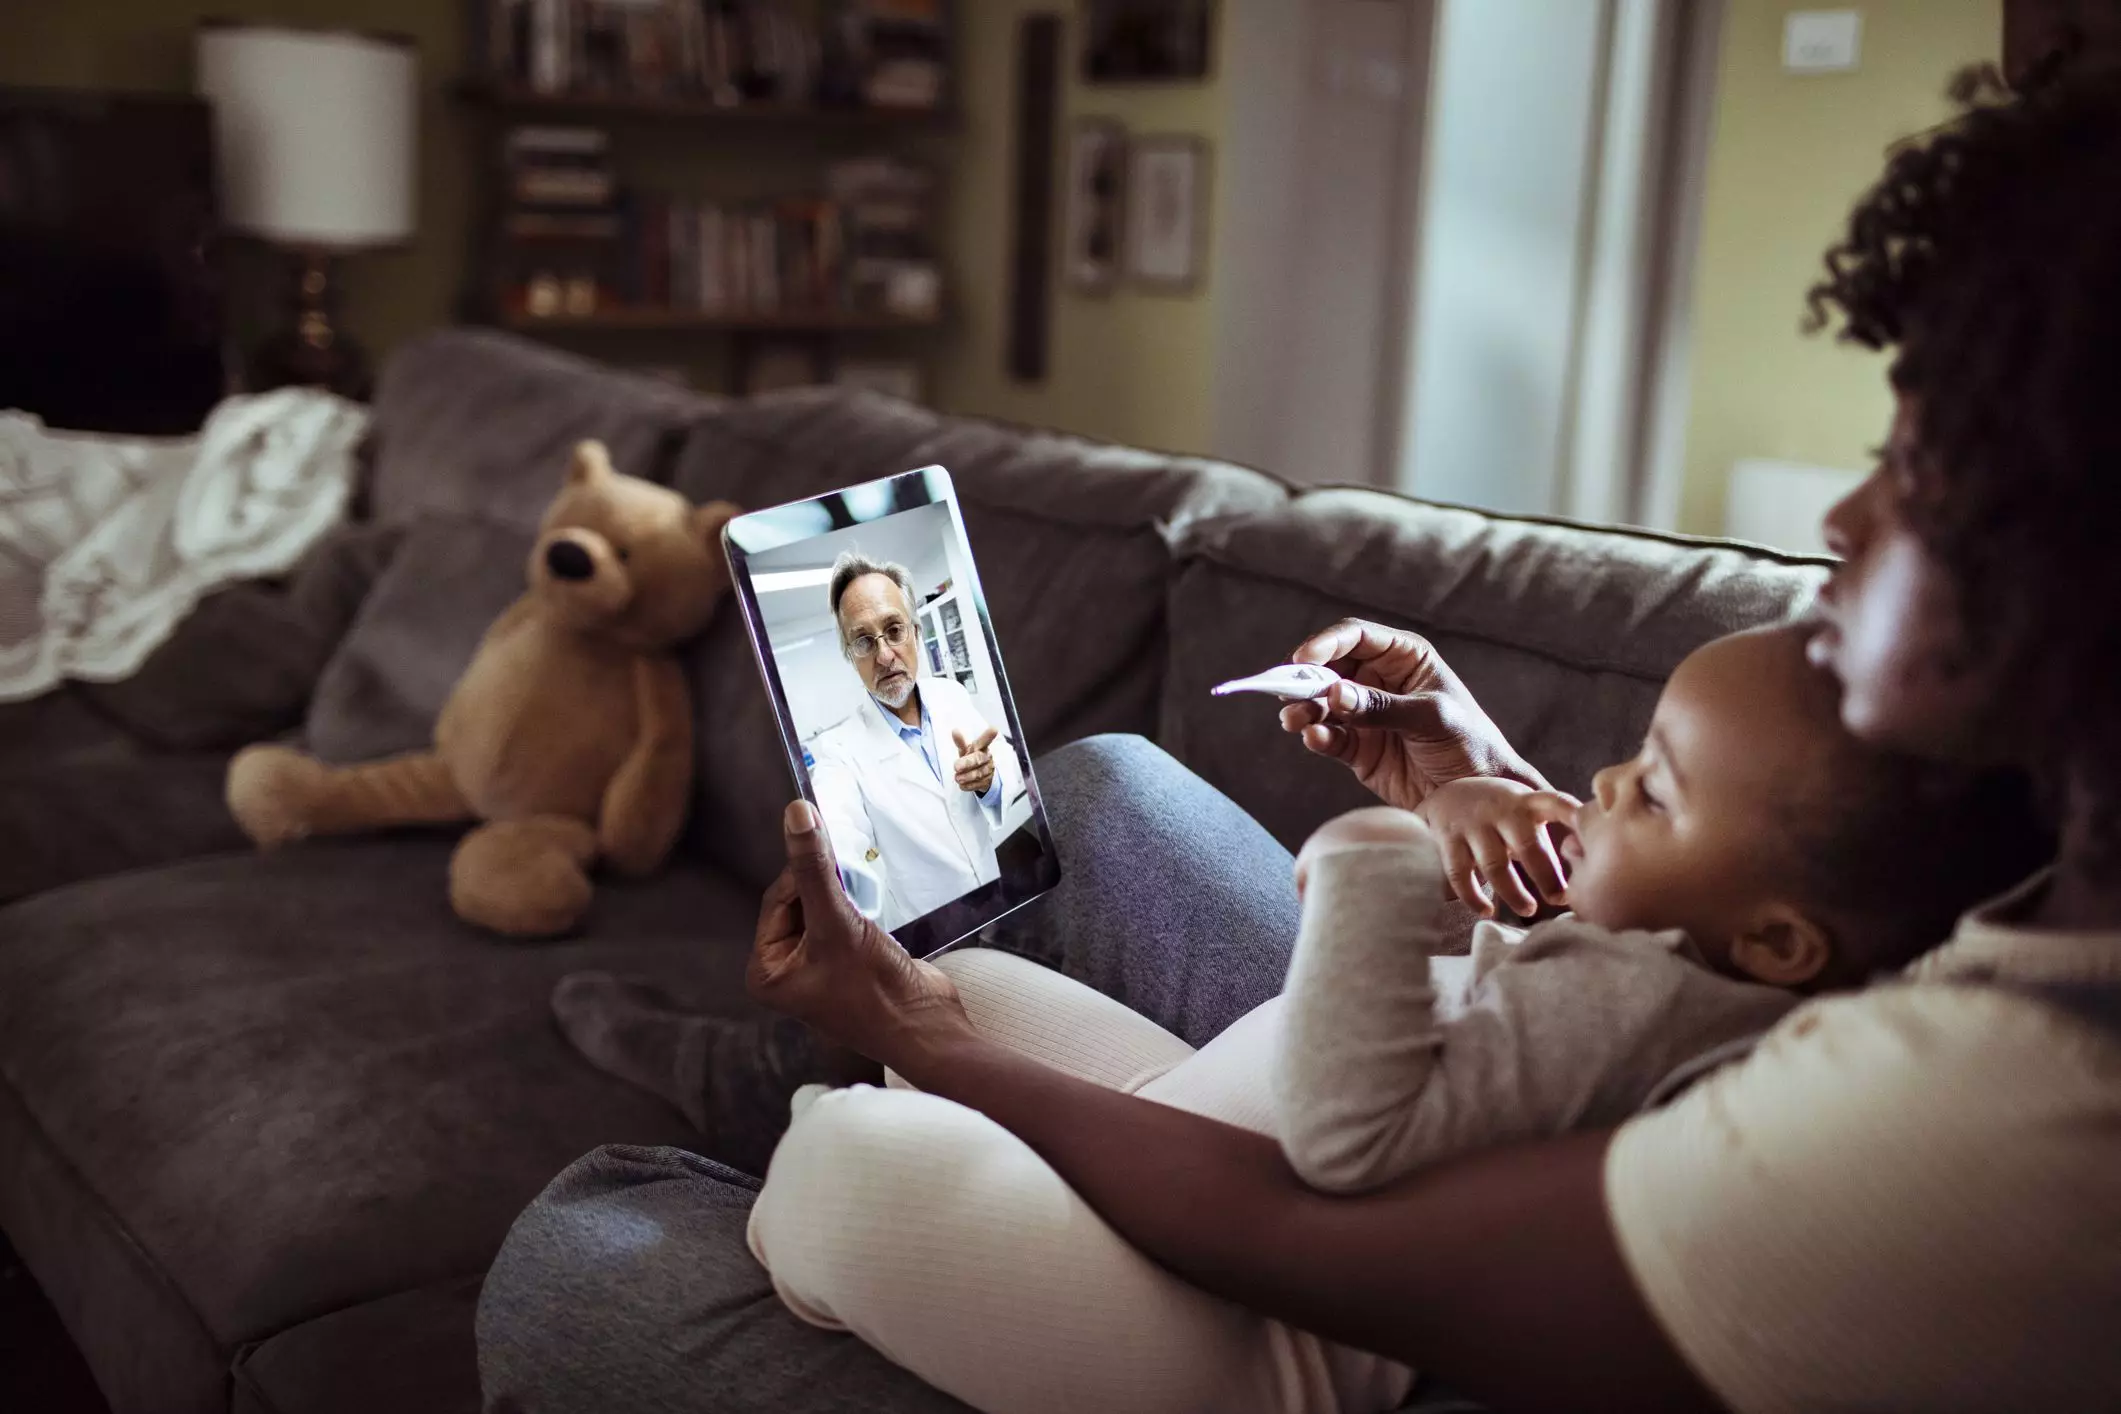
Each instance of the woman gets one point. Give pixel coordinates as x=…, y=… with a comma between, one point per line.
x=1903, y=1200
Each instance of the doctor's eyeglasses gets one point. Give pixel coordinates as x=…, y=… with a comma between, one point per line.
x=864, y=645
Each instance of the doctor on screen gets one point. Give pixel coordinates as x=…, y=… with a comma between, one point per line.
x=912, y=786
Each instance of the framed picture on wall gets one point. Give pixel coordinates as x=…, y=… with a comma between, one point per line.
x=1167, y=213
x=1147, y=41
x=1096, y=207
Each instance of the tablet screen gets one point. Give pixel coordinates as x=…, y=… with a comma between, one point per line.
x=873, y=639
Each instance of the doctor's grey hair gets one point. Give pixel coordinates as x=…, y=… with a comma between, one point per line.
x=853, y=565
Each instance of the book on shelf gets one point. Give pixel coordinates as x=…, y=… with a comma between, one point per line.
x=560, y=233
x=560, y=170
x=878, y=53
x=888, y=229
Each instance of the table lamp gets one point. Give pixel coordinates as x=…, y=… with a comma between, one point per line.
x=314, y=142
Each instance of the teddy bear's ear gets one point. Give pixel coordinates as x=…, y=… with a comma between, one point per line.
x=591, y=463
x=707, y=521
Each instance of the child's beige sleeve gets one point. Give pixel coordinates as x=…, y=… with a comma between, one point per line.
x=1575, y=1028
x=1359, y=1037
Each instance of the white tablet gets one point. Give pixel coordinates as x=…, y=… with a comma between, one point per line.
x=872, y=636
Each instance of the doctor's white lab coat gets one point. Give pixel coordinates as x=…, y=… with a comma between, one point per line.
x=926, y=840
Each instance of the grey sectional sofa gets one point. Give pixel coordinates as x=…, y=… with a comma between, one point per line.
x=264, y=1120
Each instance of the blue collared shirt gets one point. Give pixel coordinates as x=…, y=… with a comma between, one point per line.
x=922, y=740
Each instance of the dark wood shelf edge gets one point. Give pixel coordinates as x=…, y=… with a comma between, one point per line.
x=685, y=322
x=515, y=99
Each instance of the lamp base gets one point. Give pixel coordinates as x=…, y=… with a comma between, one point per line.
x=314, y=352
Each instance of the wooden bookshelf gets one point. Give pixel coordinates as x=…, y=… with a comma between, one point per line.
x=823, y=321
x=529, y=103
x=817, y=222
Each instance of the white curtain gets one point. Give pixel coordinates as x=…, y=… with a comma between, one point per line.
x=1546, y=334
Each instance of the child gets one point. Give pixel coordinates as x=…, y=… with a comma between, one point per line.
x=1772, y=855
x=1776, y=855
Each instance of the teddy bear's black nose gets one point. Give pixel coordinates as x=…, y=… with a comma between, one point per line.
x=568, y=560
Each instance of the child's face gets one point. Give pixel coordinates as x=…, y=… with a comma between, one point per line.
x=1693, y=832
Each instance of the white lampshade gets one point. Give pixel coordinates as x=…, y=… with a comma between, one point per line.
x=313, y=133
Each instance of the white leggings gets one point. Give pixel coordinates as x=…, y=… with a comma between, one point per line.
x=944, y=1242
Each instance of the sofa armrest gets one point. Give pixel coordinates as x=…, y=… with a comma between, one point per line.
x=243, y=664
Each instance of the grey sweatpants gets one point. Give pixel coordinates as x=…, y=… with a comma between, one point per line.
x=627, y=1285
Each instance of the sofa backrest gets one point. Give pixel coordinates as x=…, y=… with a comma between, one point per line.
x=472, y=422
x=472, y=434
x=1565, y=634
x=1123, y=584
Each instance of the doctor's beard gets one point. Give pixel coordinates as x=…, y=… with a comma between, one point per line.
x=897, y=695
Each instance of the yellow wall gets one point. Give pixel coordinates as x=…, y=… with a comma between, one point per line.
x=1788, y=157
x=146, y=45
x=1128, y=367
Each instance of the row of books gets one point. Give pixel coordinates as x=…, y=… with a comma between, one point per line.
x=793, y=257
x=875, y=53
x=699, y=256
x=560, y=172
x=575, y=243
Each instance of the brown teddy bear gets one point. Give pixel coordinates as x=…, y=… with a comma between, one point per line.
x=570, y=733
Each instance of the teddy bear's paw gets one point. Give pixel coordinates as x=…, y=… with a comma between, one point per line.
x=524, y=878
x=270, y=790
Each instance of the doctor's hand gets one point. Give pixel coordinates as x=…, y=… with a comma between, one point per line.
x=816, y=959
x=975, y=763
x=1402, y=721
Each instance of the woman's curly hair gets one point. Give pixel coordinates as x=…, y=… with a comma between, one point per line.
x=1988, y=259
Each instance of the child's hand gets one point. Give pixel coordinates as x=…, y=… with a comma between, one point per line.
x=1378, y=824
x=1485, y=826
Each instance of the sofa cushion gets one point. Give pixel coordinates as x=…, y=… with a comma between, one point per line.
x=411, y=1353
x=475, y=422
x=281, y=1086
x=1565, y=634
x=101, y=777
x=242, y=665
x=382, y=690
x=1071, y=541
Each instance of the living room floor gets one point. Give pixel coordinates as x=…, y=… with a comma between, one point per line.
x=39, y=1367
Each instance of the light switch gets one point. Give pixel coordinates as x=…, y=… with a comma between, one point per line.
x=1821, y=41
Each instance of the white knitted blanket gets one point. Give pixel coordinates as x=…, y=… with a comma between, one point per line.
x=106, y=542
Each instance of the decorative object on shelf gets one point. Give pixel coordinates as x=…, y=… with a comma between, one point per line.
x=1038, y=68
x=1167, y=213
x=314, y=135
x=1096, y=213
x=894, y=378
x=1147, y=41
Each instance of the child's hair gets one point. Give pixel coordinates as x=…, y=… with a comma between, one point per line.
x=1889, y=851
